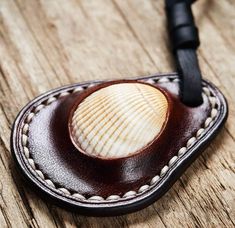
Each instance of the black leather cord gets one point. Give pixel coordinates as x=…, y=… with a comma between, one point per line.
x=185, y=40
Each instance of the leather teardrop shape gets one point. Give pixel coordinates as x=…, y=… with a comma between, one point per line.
x=51, y=163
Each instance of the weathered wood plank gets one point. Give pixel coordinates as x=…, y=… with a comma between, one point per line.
x=45, y=44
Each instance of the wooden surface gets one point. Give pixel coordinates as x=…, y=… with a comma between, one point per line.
x=48, y=43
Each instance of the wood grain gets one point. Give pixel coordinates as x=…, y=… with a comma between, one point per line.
x=48, y=43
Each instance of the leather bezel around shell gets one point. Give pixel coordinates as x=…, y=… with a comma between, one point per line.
x=131, y=200
x=97, y=87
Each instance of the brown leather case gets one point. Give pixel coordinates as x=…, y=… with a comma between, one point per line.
x=49, y=161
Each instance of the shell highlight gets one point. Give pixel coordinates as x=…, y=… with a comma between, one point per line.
x=118, y=120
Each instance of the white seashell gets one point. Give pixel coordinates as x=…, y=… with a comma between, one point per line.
x=118, y=120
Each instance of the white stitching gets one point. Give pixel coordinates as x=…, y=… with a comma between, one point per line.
x=50, y=100
x=208, y=121
x=96, y=198
x=50, y=183
x=113, y=197
x=78, y=89
x=212, y=101
x=191, y=141
x=40, y=174
x=32, y=164
x=172, y=161
x=164, y=171
x=30, y=117
x=214, y=113
x=26, y=151
x=25, y=128
x=164, y=79
x=24, y=140
x=63, y=94
x=129, y=194
x=181, y=151
x=38, y=108
x=199, y=132
x=143, y=188
x=65, y=191
x=79, y=196
x=154, y=180
x=150, y=81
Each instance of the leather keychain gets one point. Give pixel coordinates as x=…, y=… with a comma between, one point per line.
x=113, y=147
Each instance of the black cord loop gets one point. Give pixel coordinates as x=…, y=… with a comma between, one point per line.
x=185, y=40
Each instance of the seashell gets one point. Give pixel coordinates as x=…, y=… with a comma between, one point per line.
x=118, y=120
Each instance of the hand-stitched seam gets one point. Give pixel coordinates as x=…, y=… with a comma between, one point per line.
x=143, y=188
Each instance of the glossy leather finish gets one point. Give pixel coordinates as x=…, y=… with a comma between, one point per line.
x=55, y=156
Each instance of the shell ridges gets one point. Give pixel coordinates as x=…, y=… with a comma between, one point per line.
x=118, y=120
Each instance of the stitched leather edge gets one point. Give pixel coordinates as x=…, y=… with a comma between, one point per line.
x=95, y=198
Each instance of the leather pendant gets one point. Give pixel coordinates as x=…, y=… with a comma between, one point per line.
x=109, y=153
